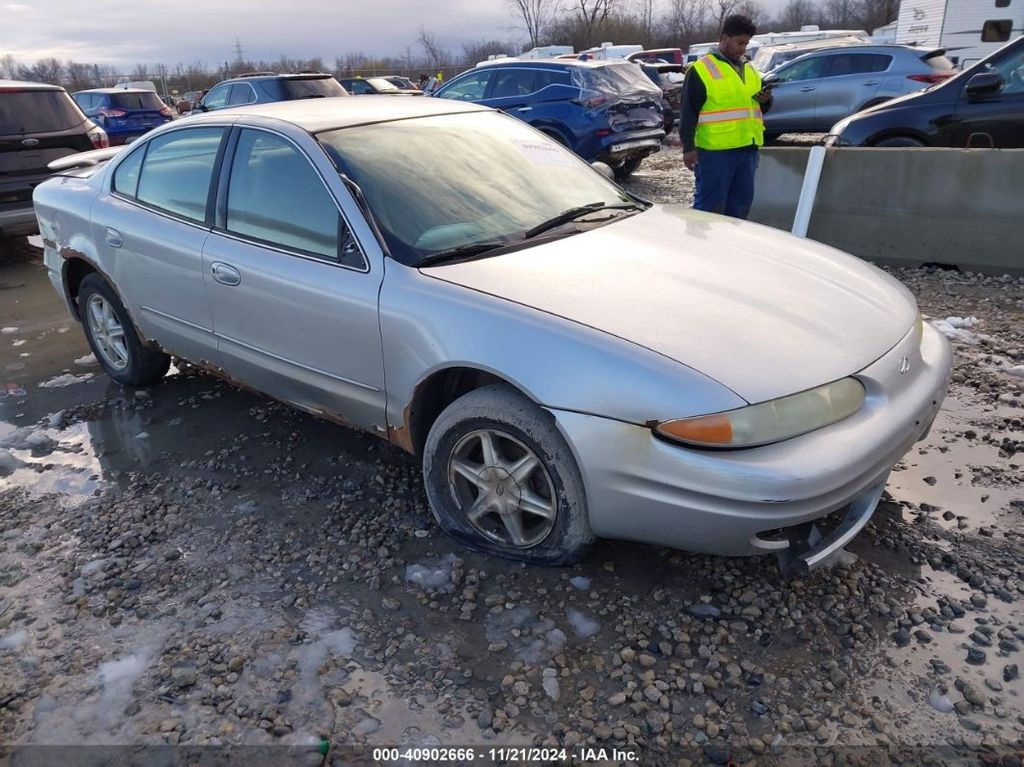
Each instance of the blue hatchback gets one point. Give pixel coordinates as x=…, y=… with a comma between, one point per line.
x=125, y=114
x=606, y=111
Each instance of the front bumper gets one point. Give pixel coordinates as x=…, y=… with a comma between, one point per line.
x=735, y=502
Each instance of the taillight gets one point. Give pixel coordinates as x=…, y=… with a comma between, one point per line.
x=98, y=137
x=166, y=111
x=592, y=101
x=112, y=112
x=931, y=79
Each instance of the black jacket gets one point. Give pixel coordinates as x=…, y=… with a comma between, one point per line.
x=694, y=96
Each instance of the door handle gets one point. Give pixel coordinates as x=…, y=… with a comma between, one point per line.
x=524, y=109
x=225, y=274
x=807, y=89
x=870, y=82
x=113, y=238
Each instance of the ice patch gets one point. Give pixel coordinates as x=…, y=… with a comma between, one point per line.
x=67, y=379
x=1016, y=370
x=534, y=640
x=8, y=331
x=956, y=329
x=582, y=625
x=88, y=359
x=550, y=685
x=117, y=678
x=940, y=702
x=579, y=582
x=432, y=577
x=28, y=438
x=341, y=642
x=8, y=463
x=14, y=641
x=20, y=342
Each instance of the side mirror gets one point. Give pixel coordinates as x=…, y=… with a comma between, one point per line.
x=983, y=85
x=770, y=79
x=604, y=169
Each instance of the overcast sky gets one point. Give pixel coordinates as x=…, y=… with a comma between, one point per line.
x=124, y=33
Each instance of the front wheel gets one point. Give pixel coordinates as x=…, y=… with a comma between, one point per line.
x=113, y=337
x=627, y=169
x=501, y=479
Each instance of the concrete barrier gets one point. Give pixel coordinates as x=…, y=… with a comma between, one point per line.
x=962, y=207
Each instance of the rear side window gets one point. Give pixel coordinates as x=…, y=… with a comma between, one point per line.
x=176, y=173
x=147, y=100
x=940, y=63
x=996, y=31
x=313, y=88
x=126, y=177
x=857, y=63
x=276, y=196
x=32, y=111
x=512, y=82
x=546, y=77
x=241, y=93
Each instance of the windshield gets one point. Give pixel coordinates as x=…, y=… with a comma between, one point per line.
x=381, y=84
x=625, y=79
x=448, y=181
x=306, y=87
x=32, y=111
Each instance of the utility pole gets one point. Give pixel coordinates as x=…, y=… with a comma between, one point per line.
x=238, y=53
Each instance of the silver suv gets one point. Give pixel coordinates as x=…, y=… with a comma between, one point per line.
x=815, y=91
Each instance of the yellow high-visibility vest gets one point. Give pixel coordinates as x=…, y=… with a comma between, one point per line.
x=730, y=117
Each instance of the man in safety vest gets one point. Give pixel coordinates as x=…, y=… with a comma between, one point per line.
x=721, y=125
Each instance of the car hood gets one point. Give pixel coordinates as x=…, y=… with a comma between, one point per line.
x=762, y=312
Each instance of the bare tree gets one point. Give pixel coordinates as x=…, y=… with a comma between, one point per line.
x=8, y=66
x=645, y=12
x=841, y=14
x=432, y=49
x=796, y=14
x=871, y=14
x=592, y=14
x=535, y=15
x=687, y=19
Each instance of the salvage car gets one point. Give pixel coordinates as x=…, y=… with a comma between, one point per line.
x=566, y=359
x=607, y=111
x=125, y=114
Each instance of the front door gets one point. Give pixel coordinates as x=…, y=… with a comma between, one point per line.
x=294, y=298
x=795, y=96
x=997, y=120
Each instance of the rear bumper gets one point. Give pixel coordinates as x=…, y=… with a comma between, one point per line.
x=19, y=219
x=754, y=501
x=616, y=149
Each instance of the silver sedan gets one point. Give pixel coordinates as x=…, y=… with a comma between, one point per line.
x=568, y=360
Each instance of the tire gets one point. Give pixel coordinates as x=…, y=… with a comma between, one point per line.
x=904, y=141
x=627, y=169
x=490, y=432
x=114, y=339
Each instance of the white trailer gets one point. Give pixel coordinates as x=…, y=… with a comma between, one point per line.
x=968, y=29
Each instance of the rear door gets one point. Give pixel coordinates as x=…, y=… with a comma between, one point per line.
x=850, y=81
x=997, y=120
x=796, y=96
x=151, y=227
x=36, y=127
x=510, y=91
x=294, y=297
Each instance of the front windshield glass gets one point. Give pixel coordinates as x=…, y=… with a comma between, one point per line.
x=381, y=84
x=448, y=181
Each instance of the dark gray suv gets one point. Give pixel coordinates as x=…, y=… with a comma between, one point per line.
x=39, y=123
x=268, y=87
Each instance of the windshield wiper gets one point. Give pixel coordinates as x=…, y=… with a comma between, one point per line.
x=462, y=252
x=573, y=213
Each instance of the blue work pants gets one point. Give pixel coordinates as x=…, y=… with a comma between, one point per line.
x=725, y=180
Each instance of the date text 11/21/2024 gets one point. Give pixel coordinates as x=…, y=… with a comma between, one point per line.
x=502, y=754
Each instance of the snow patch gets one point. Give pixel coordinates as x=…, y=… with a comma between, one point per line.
x=88, y=359
x=14, y=641
x=583, y=625
x=20, y=342
x=28, y=438
x=433, y=577
x=68, y=379
x=8, y=331
x=579, y=582
x=1016, y=370
x=957, y=329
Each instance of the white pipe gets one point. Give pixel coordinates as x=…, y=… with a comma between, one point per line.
x=805, y=205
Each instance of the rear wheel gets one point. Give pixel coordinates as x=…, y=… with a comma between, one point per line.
x=627, y=169
x=905, y=141
x=501, y=479
x=113, y=337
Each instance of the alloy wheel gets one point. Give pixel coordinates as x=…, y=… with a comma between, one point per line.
x=107, y=332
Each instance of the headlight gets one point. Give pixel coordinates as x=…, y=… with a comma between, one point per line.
x=769, y=422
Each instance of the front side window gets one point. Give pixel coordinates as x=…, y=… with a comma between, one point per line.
x=469, y=88
x=176, y=173
x=996, y=31
x=218, y=97
x=512, y=82
x=276, y=196
x=808, y=69
x=1011, y=69
x=358, y=87
x=857, y=64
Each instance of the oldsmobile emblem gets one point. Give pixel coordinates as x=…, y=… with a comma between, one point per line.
x=904, y=367
x=29, y=141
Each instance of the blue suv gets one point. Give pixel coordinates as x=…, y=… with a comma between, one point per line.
x=124, y=113
x=606, y=111
x=268, y=87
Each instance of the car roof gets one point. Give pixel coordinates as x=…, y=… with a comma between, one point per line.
x=321, y=114
x=25, y=85
x=282, y=76
x=115, y=90
x=588, y=64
